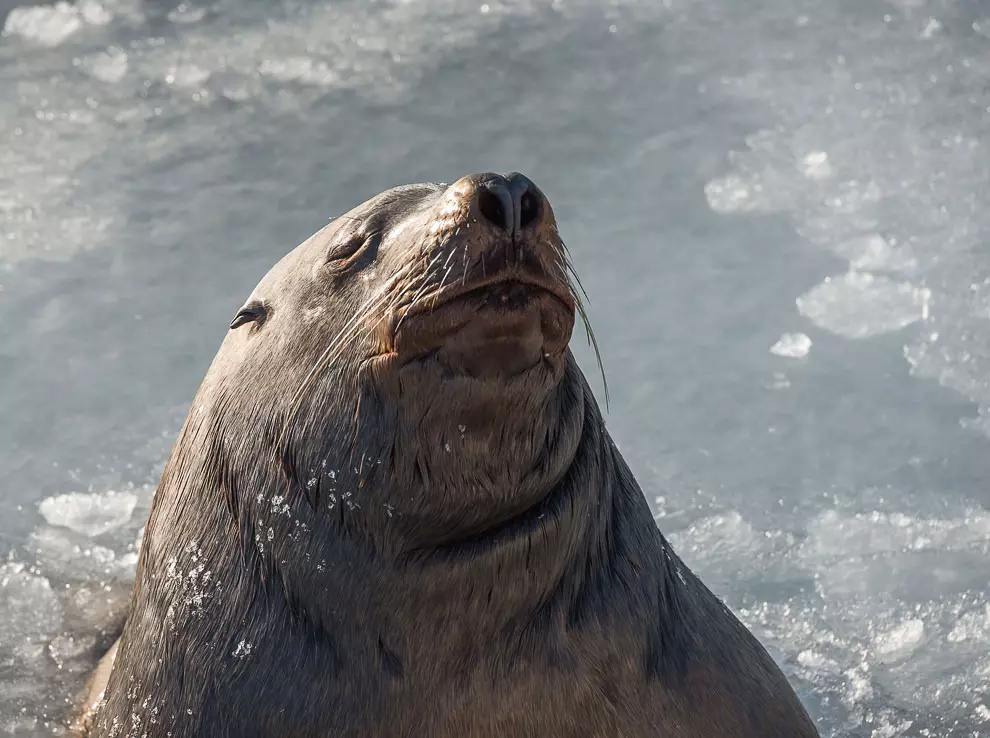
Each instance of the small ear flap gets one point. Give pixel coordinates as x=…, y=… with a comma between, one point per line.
x=253, y=312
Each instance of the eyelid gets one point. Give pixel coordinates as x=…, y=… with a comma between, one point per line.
x=347, y=249
x=356, y=244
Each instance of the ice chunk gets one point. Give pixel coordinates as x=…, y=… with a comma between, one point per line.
x=733, y=193
x=46, y=25
x=79, y=559
x=108, y=66
x=29, y=610
x=94, y=13
x=186, y=14
x=792, y=346
x=874, y=252
x=816, y=165
x=863, y=305
x=187, y=76
x=932, y=27
x=89, y=514
x=971, y=626
x=301, y=69
x=65, y=648
x=899, y=642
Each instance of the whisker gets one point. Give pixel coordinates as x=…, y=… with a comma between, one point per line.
x=579, y=302
x=419, y=292
x=337, y=345
x=436, y=294
x=464, y=276
x=593, y=341
x=373, y=303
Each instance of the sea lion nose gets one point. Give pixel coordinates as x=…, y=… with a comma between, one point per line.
x=510, y=202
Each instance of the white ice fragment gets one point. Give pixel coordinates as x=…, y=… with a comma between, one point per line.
x=185, y=14
x=982, y=713
x=932, y=26
x=792, y=346
x=900, y=641
x=29, y=610
x=874, y=252
x=94, y=13
x=816, y=165
x=863, y=305
x=243, y=650
x=858, y=687
x=187, y=76
x=89, y=514
x=731, y=194
x=66, y=647
x=46, y=25
x=817, y=662
x=971, y=626
x=108, y=66
x=300, y=69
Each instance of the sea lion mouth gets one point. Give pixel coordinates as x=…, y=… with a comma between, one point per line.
x=497, y=326
x=499, y=286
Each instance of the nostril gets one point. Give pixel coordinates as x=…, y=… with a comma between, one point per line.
x=493, y=208
x=529, y=209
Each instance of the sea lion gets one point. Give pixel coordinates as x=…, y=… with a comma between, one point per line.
x=394, y=511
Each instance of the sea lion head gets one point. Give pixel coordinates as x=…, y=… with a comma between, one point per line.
x=420, y=340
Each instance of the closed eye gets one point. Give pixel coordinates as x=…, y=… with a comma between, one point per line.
x=253, y=312
x=348, y=249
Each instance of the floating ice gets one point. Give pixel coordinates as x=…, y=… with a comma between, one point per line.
x=972, y=626
x=863, y=305
x=932, y=27
x=874, y=252
x=94, y=13
x=50, y=25
x=29, y=610
x=108, y=66
x=792, y=346
x=834, y=533
x=89, y=514
x=300, y=69
x=45, y=25
x=65, y=648
x=186, y=14
x=80, y=561
x=187, y=76
x=816, y=165
x=899, y=642
x=732, y=194
x=727, y=539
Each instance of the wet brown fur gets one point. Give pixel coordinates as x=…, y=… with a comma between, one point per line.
x=344, y=544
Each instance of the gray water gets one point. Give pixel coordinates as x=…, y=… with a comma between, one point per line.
x=778, y=208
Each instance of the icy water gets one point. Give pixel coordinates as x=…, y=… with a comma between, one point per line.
x=778, y=207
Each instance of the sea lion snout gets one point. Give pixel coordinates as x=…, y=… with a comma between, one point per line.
x=495, y=299
x=504, y=211
x=511, y=203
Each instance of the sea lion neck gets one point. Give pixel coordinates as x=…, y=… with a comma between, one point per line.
x=477, y=457
x=445, y=532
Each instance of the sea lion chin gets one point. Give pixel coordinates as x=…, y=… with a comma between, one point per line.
x=394, y=510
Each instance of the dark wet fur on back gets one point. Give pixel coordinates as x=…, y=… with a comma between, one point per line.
x=343, y=546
